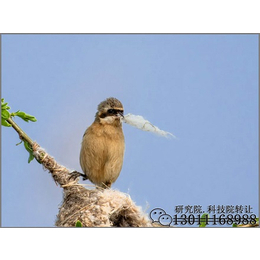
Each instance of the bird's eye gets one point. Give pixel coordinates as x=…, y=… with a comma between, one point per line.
x=111, y=111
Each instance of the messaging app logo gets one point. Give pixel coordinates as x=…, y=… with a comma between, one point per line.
x=158, y=215
x=165, y=220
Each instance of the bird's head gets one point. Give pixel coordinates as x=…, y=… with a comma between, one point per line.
x=110, y=111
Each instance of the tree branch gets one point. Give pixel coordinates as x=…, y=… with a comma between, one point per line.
x=21, y=133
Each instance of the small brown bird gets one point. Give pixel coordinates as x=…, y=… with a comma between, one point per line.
x=103, y=144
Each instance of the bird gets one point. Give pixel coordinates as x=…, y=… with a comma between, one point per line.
x=103, y=145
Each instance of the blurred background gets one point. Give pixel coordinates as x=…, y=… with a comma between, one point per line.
x=201, y=88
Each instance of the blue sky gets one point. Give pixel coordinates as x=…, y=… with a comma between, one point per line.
x=202, y=88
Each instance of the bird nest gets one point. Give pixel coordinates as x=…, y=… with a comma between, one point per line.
x=99, y=208
x=91, y=207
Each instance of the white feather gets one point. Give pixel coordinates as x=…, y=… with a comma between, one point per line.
x=143, y=124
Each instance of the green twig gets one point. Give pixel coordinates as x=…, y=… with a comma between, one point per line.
x=23, y=136
x=6, y=120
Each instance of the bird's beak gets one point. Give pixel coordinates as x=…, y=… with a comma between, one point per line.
x=120, y=114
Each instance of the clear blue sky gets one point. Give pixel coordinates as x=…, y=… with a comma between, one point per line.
x=202, y=88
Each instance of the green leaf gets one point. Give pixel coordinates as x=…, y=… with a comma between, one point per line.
x=5, y=114
x=234, y=225
x=21, y=114
x=5, y=123
x=27, y=146
x=78, y=224
x=31, y=157
x=4, y=105
x=203, y=220
x=24, y=116
x=31, y=118
x=29, y=150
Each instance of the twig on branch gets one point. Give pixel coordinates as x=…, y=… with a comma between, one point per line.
x=21, y=133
